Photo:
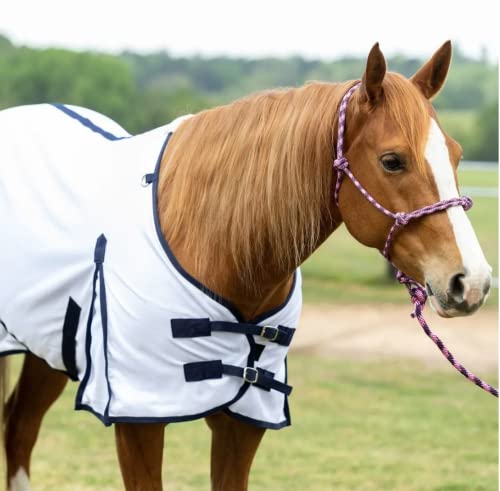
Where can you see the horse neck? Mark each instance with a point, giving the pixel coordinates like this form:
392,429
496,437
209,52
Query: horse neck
245,192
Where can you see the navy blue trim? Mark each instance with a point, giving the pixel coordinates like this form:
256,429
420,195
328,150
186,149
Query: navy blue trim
218,298
286,408
257,422
14,352
70,326
87,123
104,322
167,419
99,251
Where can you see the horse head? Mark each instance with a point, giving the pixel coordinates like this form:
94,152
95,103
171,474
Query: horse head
397,149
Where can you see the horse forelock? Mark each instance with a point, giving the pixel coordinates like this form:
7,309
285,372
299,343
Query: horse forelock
408,110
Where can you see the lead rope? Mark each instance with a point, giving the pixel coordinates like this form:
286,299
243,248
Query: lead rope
418,297
417,292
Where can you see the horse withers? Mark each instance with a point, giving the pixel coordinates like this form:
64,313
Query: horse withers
169,286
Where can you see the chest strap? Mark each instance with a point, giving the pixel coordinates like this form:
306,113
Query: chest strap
263,379
192,328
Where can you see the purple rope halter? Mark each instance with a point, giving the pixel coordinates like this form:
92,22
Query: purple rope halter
417,292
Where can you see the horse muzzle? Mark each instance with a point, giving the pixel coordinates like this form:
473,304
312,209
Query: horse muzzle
460,295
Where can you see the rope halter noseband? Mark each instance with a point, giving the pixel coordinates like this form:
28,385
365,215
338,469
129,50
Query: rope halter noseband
417,292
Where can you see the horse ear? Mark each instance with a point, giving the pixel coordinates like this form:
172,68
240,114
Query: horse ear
374,75
430,78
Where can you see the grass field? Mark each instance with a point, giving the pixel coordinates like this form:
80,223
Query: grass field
356,427
342,270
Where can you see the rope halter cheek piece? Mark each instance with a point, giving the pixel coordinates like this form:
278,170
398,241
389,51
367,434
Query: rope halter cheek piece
417,292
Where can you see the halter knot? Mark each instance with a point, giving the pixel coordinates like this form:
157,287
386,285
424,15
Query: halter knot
340,164
402,278
402,219
418,295
466,203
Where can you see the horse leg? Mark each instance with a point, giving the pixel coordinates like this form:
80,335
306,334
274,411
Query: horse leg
37,388
140,452
234,444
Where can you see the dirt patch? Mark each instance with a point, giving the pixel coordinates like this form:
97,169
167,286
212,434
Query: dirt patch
372,332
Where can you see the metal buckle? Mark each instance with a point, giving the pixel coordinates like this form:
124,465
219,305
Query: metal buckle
266,329
250,375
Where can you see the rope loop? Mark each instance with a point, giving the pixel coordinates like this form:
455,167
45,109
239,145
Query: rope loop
467,203
402,219
340,164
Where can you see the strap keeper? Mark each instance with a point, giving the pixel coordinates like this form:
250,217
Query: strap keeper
100,249
147,179
203,370
190,328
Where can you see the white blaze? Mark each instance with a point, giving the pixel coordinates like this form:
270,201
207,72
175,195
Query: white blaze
20,482
473,260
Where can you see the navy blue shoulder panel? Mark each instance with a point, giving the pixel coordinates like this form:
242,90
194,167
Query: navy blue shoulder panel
87,123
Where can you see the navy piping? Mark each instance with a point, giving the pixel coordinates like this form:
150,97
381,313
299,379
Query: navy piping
87,123
181,419
257,422
104,322
88,340
286,408
14,352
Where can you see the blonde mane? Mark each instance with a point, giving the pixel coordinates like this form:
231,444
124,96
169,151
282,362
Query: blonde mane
254,178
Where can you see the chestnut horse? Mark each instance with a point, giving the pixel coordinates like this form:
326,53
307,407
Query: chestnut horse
246,195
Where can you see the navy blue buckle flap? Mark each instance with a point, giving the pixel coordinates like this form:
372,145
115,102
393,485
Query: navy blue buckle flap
190,328
263,379
202,370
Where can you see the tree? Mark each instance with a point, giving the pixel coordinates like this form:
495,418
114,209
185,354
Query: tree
486,134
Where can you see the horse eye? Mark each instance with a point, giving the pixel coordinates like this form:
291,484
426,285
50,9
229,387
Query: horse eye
392,162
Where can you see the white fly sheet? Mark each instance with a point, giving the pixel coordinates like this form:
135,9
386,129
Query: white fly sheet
90,285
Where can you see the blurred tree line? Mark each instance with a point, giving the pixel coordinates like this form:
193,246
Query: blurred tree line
145,91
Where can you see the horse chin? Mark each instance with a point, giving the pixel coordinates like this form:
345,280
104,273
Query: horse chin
449,313
436,306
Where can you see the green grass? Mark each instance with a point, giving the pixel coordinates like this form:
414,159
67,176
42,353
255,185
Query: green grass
356,427
343,270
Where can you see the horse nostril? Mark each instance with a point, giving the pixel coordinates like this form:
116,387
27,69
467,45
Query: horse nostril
457,288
